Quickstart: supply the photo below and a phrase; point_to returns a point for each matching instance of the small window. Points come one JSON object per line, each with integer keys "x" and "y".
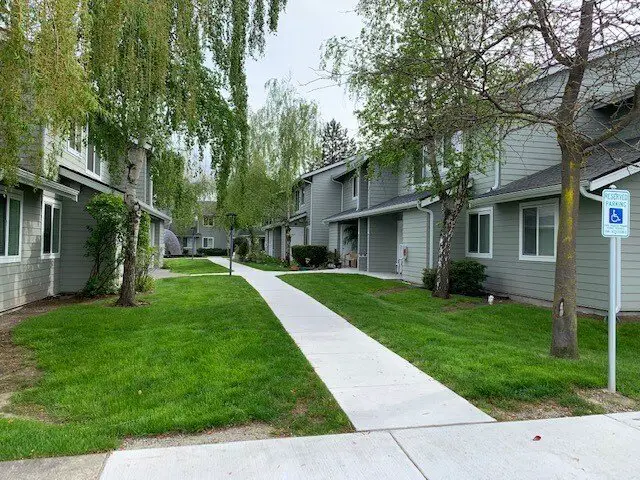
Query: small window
{"x": 480, "y": 233}
{"x": 10, "y": 227}
{"x": 75, "y": 139}
{"x": 457, "y": 142}
{"x": 301, "y": 196}
{"x": 208, "y": 220}
{"x": 94, "y": 162}
{"x": 51, "y": 218}
{"x": 354, "y": 186}
{"x": 538, "y": 231}
{"x": 207, "y": 242}
{"x": 185, "y": 242}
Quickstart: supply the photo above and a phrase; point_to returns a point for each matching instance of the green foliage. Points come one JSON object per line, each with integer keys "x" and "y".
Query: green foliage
{"x": 241, "y": 247}
{"x": 110, "y": 214}
{"x": 310, "y": 255}
{"x": 145, "y": 256}
{"x": 213, "y": 252}
{"x": 351, "y": 236}
{"x": 465, "y": 277}
{"x": 189, "y": 266}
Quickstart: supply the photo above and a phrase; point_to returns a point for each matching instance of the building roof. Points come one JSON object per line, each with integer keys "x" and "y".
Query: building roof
{"x": 602, "y": 161}
{"x": 394, "y": 204}
{"x": 321, "y": 169}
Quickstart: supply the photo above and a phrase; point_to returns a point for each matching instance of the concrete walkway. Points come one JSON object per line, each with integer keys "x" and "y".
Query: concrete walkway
{"x": 376, "y": 388}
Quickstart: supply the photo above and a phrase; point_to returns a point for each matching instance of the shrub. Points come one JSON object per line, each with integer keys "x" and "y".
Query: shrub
{"x": 241, "y": 247}
{"x": 109, "y": 231}
{"x": 465, "y": 277}
{"x": 145, "y": 255}
{"x": 213, "y": 252}
{"x": 316, "y": 254}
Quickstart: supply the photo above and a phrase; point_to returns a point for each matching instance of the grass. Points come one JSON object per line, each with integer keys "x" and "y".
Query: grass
{"x": 204, "y": 352}
{"x": 190, "y": 266}
{"x": 268, "y": 267}
{"x": 495, "y": 356}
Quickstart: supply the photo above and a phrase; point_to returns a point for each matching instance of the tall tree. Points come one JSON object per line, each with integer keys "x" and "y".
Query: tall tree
{"x": 566, "y": 58}
{"x": 284, "y": 135}
{"x": 43, "y": 52}
{"x": 414, "y": 114}
{"x": 336, "y": 144}
{"x": 147, "y": 64}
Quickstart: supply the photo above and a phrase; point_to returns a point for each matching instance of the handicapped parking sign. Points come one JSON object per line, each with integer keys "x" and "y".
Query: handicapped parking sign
{"x": 615, "y": 213}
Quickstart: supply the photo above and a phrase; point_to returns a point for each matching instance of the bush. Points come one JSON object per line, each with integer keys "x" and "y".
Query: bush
{"x": 145, "y": 255}
{"x": 316, "y": 254}
{"x": 465, "y": 277}
{"x": 213, "y": 252}
{"x": 241, "y": 247}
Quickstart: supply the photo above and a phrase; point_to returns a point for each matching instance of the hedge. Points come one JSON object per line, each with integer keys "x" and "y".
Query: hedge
{"x": 465, "y": 277}
{"x": 317, "y": 255}
{"x": 213, "y": 252}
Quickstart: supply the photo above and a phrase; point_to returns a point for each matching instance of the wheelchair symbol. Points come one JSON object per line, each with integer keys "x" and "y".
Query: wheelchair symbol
{"x": 615, "y": 215}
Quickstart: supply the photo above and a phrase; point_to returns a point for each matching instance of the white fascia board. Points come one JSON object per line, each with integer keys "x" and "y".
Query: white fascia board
{"x": 320, "y": 170}
{"x": 29, "y": 178}
{"x": 613, "y": 177}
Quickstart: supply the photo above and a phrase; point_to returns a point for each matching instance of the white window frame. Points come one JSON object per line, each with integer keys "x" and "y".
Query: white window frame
{"x": 49, "y": 199}
{"x": 15, "y": 195}
{"x": 355, "y": 187}
{"x": 208, "y": 239}
{"x": 480, "y": 211}
{"x": 90, "y": 172}
{"x": 204, "y": 221}
{"x": 539, "y": 258}
{"x": 73, "y": 151}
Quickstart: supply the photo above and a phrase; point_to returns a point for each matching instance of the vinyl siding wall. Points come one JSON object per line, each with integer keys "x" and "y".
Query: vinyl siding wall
{"x": 33, "y": 278}
{"x": 509, "y": 275}
{"x": 631, "y": 248}
{"x": 334, "y": 236}
{"x": 324, "y": 200}
{"x": 347, "y": 201}
{"x": 363, "y": 238}
{"x": 383, "y": 186}
{"x": 415, "y": 235}
{"x": 382, "y": 251}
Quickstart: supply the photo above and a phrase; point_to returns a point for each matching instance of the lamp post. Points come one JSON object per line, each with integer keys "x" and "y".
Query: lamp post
{"x": 232, "y": 221}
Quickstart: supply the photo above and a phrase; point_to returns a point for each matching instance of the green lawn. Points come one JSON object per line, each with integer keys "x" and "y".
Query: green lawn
{"x": 495, "y": 356}
{"x": 204, "y": 352}
{"x": 190, "y": 266}
{"x": 268, "y": 267}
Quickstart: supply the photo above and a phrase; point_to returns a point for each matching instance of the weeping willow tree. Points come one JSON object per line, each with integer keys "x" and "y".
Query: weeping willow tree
{"x": 147, "y": 64}
{"x": 43, "y": 81}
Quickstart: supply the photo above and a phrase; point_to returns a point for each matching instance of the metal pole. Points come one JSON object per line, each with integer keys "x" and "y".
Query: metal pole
{"x": 230, "y": 249}
{"x": 613, "y": 301}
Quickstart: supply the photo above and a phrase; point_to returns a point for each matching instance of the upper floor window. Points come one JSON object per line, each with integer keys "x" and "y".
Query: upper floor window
{"x": 354, "y": 186}
{"x": 76, "y": 139}
{"x": 299, "y": 198}
{"x": 94, "y": 162}
{"x": 207, "y": 242}
{"x": 480, "y": 233}
{"x": 10, "y": 227}
{"x": 51, "y": 222}
{"x": 538, "y": 231}
{"x": 208, "y": 220}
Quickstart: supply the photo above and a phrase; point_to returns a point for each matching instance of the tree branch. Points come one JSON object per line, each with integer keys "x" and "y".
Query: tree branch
{"x": 621, "y": 124}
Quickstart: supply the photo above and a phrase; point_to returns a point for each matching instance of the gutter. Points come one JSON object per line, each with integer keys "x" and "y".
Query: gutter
{"x": 430, "y": 213}
{"x": 28, "y": 178}
{"x": 598, "y": 198}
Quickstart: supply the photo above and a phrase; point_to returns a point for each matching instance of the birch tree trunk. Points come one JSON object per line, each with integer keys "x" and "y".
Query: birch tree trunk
{"x": 564, "y": 342}
{"x": 136, "y": 158}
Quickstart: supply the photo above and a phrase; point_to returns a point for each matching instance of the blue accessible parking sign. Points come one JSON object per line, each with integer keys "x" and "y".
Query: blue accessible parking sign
{"x": 615, "y": 213}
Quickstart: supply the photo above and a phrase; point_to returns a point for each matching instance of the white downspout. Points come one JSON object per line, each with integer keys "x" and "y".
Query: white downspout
{"x": 310, "y": 210}
{"x": 342, "y": 193}
{"x": 496, "y": 180}
{"x": 430, "y": 212}
{"x": 598, "y": 198}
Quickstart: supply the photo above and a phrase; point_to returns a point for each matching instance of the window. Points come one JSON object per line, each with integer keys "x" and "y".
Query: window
{"x": 354, "y": 186}
{"x": 208, "y": 220}
{"x": 51, "y": 210}
{"x": 94, "y": 162}
{"x": 457, "y": 142}
{"x": 207, "y": 242}
{"x": 75, "y": 140}
{"x": 538, "y": 231}
{"x": 10, "y": 227}
{"x": 299, "y": 198}
{"x": 480, "y": 233}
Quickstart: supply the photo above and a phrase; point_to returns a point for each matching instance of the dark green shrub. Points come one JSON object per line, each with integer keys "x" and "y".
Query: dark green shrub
{"x": 241, "y": 247}
{"x": 465, "y": 277}
{"x": 213, "y": 252}
{"x": 310, "y": 255}
{"x": 145, "y": 256}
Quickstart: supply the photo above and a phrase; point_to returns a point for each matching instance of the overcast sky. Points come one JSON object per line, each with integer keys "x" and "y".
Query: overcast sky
{"x": 295, "y": 49}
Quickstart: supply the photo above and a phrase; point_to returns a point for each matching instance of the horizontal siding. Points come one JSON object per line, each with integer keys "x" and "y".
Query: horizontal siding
{"x": 33, "y": 278}
{"x": 415, "y": 235}
{"x": 362, "y": 243}
{"x": 383, "y": 249}
{"x": 333, "y": 236}
{"x": 383, "y": 186}
{"x": 347, "y": 201}
{"x": 325, "y": 201}
{"x": 631, "y": 249}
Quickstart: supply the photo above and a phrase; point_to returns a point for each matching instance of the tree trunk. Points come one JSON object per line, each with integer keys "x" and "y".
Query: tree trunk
{"x": 136, "y": 157}
{"x": 441, "y": 288}
{"x": 564, "y": 342}
{"x": 287, "y": 243}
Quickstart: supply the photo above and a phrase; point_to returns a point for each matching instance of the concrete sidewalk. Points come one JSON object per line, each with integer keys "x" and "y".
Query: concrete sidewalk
{"x": 375, "y": 387}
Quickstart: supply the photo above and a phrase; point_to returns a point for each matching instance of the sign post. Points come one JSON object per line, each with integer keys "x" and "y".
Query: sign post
{"x": 615, "y": 226}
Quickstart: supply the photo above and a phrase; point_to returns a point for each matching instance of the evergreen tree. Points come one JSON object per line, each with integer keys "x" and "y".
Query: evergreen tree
{"x": 336, "y": 144}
